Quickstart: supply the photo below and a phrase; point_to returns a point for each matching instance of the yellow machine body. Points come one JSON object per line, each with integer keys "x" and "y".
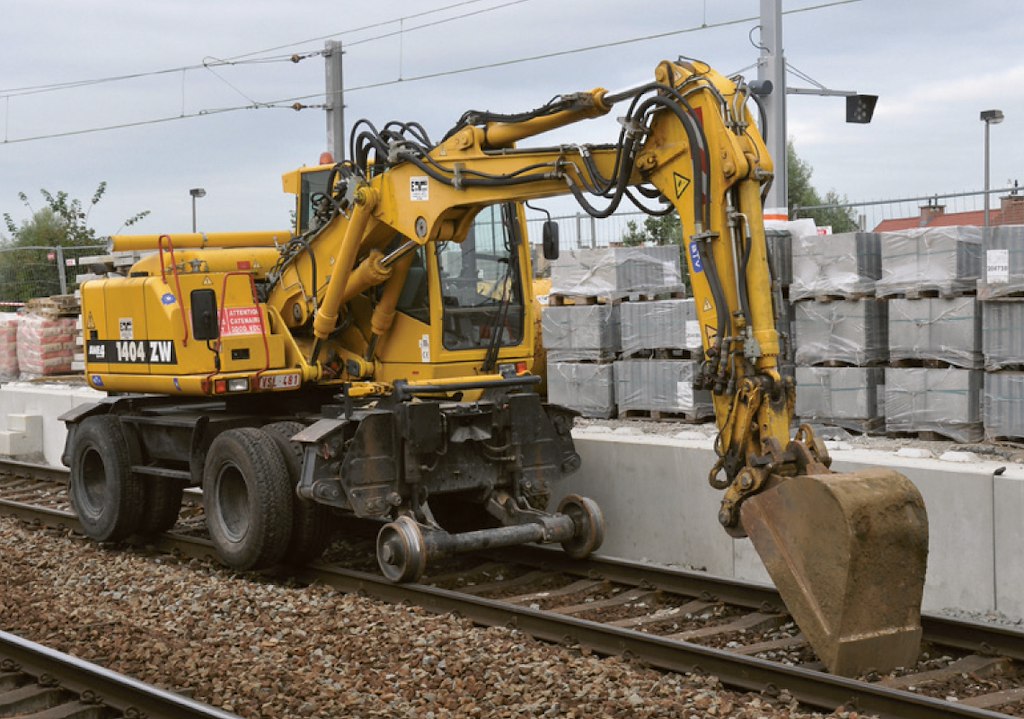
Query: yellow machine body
{"x": 412, "y": 270}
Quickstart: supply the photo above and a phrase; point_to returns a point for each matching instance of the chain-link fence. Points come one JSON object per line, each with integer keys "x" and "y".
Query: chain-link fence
{"x": 27, "y": 272}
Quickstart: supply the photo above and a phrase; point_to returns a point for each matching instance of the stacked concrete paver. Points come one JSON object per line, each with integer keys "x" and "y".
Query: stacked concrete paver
{"x": 840, "y": 328}
{"x": 614, "y": 344}
{"x": 934, "y": 382}
{"x": 1001, "y": 291}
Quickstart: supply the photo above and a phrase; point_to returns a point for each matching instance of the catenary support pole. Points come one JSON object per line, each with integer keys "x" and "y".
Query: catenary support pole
{"x": 335, "y": 100}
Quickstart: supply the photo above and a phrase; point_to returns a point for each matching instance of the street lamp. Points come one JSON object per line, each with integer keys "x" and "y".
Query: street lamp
{"x": 200, "y": 192}
{"x": 989, "y": 117}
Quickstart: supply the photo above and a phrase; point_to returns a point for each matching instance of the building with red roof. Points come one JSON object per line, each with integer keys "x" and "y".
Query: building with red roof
{"x": 1010, "y": 212}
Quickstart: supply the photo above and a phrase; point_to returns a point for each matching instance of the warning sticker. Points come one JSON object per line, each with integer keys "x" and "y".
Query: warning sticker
{"x": 681, "y": 184}
{"x": 240, "y": 321}
{"x": 124, "y": 326}
{"x": 425, "y": 348}
{"x": 997, "y": 266}
{"x": 419, "y": 189}
{"x": 707, "y": 305}
{"x": 711, "y": 333}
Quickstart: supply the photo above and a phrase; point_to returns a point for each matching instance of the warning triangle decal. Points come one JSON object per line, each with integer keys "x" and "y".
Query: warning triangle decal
{"x": 681, "y": 184}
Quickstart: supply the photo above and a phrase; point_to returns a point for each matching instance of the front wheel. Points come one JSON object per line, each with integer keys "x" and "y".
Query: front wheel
{"x": 105, "y": 493}
{"x": 247, "y": 497}
{"x": 586, "y": 515}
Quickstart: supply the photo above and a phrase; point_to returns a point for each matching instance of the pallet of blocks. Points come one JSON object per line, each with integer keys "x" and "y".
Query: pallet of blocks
{"x": 849, "y": 397}
{"x": 9, "y": 345}
{"x": 937, "y": 331}
{"x": 943, "y": 401}
{"x": 840, "y": 331}
{"x": 930, "y": 262}
{"x": 46, "y": 344}
{"x": 661, "y": 389}
{"x": 1001, "y": 295}
{"x": 846, "y": 265}
{"x": 594, "y": 294}
{"x": 852, "y": 333}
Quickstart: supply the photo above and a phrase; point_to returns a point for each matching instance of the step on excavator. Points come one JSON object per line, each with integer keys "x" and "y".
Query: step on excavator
{"x": 375, "y": 361}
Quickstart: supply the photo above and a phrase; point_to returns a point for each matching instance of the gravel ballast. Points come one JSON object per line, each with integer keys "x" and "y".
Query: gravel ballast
{"x": 264, "y": 649}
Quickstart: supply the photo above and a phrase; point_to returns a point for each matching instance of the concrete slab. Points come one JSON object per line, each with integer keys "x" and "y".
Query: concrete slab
{"x": 958, "y": 497}
{"x": 49, "y": 401}
{"x": 1008, "y": 507}
{"x": 654, "y": 509}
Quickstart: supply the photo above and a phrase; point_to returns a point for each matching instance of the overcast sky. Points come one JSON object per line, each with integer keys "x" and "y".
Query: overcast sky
{"x": 934, "y": 64}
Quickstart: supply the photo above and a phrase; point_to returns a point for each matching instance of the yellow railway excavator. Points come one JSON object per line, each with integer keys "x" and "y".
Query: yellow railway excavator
{"x": 376, "y": 362}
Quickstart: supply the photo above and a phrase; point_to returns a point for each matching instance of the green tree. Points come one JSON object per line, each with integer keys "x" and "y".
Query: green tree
{"x": 803, "y": 194}
{"x": 62, "y": 221}
{"x": 666, "y": 229}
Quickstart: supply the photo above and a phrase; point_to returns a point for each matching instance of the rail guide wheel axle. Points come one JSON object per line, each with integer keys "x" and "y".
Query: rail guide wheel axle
{"x": 589, "y": 525}
{"x": 401, "y": 550}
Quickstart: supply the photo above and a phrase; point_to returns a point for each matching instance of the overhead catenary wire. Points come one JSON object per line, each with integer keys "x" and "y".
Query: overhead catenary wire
{"x": 296, "y": 100}
{"x": 249, "y": 57}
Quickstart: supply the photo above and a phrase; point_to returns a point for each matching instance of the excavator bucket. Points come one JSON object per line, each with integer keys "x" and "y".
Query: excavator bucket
{"x": 848, "y": 554}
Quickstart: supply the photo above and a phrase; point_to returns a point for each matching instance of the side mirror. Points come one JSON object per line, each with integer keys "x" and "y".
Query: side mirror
{"x": 550, "y": 240}
{"x": 204, "y": 315}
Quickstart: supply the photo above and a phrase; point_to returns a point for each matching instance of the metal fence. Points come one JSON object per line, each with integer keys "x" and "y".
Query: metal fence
{"x": 27, "y": 272}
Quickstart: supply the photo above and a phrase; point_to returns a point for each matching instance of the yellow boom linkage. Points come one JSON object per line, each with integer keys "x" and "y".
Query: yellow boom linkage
{"x": 847, "y": 551}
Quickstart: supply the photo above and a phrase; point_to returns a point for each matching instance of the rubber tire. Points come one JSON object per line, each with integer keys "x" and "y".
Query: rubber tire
{"x": 105, "y": 494}
{"x": 163, "y": 504}
{"x": 311, "y": 521}
{"x": 161, "y": 497}
{"x": 247, "y": 464}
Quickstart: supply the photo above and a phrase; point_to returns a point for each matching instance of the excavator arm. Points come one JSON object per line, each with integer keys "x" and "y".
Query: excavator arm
{"x": 847, "y": 551}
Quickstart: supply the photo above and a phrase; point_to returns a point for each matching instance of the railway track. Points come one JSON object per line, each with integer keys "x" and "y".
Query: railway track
{"x": 669, "y": 619}
{"x": 39, "y": 682}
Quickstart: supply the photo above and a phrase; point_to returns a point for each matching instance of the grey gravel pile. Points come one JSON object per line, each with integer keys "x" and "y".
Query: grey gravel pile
{"x": 264, "y": 649}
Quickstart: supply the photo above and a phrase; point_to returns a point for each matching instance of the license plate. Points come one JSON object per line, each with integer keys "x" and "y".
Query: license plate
{"x": 280, "y": 381}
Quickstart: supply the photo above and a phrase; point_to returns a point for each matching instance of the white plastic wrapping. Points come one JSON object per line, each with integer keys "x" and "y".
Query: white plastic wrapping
{"x": 1003, "y": 333}
{"x": 46, "y": 345}
{"x": 660, "y": 386}
{"x": 585, "y": 387}
{"x": 930, "y": 259}
{"x": 8, "y": 345}
{"x": 936, "y": 328}
{"x": 847, "y": 396}
{"x": 617, "y": 271}
{"x": 659, "y": 324}
{"x": 852, "y": 332}
{"x": 846, "y": 265}
{"x": 581, "y": 332}
{"x": 1002, "y": 264}
{"x": 1004, "y": 405}
{"x": 944, "y": 401}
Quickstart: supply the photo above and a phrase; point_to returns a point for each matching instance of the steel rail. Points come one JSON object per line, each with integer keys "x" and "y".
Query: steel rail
{"x": 811, "y": 687}
{"x": 97, "y": 685}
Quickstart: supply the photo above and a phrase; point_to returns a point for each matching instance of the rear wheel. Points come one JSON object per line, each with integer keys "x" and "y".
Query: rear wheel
{"x": 105, "y": 493}
{"x": 589, "y": 521}
{"x": 247, "y": 497}
{"x": 161, "y": 496}
{"x": 163, "y": 503}
{"x": 311, "y": 522}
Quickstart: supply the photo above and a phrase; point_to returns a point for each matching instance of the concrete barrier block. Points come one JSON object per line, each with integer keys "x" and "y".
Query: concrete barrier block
{"x": 25, "y": 423}
{"x": 958, "y": 498}
{"x": 1008, "y": 493}
{"x": 656, "y": 499}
